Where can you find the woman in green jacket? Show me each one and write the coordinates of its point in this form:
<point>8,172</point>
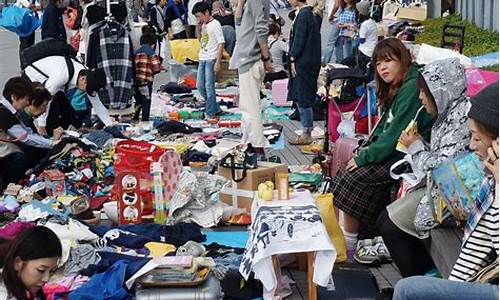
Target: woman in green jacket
<point>361,191</point>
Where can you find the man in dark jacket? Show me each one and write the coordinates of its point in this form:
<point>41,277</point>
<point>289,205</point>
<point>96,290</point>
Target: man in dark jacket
<point>52,21</point>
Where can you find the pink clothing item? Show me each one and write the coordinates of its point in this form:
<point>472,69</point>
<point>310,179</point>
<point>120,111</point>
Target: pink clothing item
<point>64,286</point>
<point>11,230</point>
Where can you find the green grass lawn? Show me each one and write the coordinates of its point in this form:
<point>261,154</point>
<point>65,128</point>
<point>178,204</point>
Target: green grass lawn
<point>478,41</point>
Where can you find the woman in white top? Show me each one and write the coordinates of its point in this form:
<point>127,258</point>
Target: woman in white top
<point>277,48</point>
<point>27,267</point>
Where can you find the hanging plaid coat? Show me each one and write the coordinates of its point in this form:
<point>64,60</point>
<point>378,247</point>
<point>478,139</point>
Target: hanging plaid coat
<point>110,48</point>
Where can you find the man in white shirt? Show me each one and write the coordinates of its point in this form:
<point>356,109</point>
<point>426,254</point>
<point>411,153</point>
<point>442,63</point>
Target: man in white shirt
<point>212,45</point>
<point>53,73</point>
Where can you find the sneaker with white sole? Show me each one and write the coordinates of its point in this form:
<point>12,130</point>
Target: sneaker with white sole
<point>383,252</point>
<point>366,253</point>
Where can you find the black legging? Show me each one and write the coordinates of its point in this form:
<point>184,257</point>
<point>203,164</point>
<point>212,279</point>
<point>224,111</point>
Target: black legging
<point>407,252</point>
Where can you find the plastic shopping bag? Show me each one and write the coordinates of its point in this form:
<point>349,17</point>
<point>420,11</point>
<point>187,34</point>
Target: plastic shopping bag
<point>325,206</point>
<point>185,49</point>
<point>20,20</point>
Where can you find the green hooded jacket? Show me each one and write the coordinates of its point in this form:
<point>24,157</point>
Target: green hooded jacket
<point>403,109</point>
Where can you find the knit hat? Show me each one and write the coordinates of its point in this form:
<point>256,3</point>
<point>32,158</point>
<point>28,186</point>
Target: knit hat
<point>363,8</point>
<point>484,106</point>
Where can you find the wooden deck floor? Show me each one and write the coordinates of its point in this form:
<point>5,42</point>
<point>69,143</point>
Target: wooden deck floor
<point>291,154</point>
<point>384,276</point>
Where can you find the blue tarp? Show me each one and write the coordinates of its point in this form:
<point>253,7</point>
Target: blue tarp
<point>489,59</point>
<point>22,21</point>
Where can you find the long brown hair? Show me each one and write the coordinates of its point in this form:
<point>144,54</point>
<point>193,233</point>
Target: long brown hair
<point>390,49</point>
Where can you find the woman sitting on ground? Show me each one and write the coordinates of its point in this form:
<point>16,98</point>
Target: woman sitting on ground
<point>480,247</point>
<point>277,48</point>
<point>26,265</point>
<point>442,87</point>
<point>20,147</point>
<point>361,191</point>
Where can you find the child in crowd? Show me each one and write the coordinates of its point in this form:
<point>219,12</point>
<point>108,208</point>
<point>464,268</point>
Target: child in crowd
<point>347,24</point>
<point>278,49</point>
<point>480,246</point>
<point>147,65</point>
<point>79,101</point>
<point>212,45</point>
<point>28,261</point>
<point>305,63</point>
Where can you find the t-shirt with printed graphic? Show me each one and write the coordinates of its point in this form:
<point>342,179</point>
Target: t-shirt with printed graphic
<point>211,37</point>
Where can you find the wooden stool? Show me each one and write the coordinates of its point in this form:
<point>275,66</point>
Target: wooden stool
<point>305,261</point>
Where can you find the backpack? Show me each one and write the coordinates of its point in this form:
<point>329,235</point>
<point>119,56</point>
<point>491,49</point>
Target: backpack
<point>46,48</point>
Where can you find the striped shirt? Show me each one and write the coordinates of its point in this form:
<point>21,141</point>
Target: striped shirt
<point>478,248</point>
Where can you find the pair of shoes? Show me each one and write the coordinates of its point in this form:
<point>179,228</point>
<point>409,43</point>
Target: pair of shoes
<point>372,252</point>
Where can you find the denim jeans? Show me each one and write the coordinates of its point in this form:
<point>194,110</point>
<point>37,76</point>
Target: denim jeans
<point>333,36</point>
<point>306,118</point>
<point>205,84</point>
<point>344,48</point>
<point>424,288</point>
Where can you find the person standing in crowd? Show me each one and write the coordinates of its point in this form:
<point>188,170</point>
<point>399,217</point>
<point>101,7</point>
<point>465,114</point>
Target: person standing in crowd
<point>278,49</point>
<point>368,38</point>
<point>52,21</point>
<point>221,14</point>
<point>20,147</point>
<point>347,24</point>
<point>34,5</point>
<point>147,65</point>
<point>212,46</point>
<point>191,20</point>
<point>147,8</point>
<point>305,63</point>
<point>442,87</point>
<point>28,262</point>
<point>318,8</point>
<point>176,20</point>
<point>253,60</point>
<point>479,250</point>
<point>333,34</point>
<point>157,20</point>
<point>361,191</point>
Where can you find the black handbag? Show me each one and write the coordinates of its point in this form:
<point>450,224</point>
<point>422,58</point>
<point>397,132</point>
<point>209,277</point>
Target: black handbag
<point>240,158</point>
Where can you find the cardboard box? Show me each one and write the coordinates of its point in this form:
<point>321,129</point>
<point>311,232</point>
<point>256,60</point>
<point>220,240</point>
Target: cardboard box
<point>418,13</point>
<point>245,189</point>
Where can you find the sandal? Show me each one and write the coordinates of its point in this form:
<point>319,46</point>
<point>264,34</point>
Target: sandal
<point>303,139</point>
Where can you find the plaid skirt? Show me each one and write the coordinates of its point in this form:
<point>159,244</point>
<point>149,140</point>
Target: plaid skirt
<point>364,192</point>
